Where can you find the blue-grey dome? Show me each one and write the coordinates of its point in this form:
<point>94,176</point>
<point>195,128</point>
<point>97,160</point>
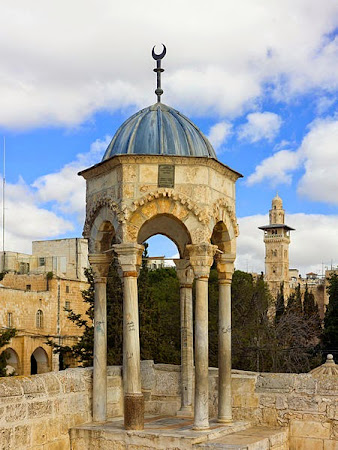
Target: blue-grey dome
<point>159,130</point>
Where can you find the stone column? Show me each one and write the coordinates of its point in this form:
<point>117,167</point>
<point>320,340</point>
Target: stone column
<point>130,259</point>
<point>201,259</point>
<point>100,266</point>
<point>225,268</point>
<point>186,276</point>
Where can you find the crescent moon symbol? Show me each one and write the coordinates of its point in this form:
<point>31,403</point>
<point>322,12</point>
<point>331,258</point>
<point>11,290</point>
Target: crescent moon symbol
<point>161,55</point>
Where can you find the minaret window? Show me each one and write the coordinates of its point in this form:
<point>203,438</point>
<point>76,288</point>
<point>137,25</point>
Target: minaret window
<point>39,319</point>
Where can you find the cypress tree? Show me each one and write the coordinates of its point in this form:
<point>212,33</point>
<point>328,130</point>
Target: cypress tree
<point>330,333</point>
<point>280,305</point>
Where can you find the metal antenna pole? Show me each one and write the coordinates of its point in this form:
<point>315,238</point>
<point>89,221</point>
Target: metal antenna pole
<point>3,207</point>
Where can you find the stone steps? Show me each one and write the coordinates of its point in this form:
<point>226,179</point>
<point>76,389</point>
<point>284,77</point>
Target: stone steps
<point>253,438</point>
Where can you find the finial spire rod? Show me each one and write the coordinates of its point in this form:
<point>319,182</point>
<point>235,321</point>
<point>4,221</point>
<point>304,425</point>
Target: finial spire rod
<point>159,70</point>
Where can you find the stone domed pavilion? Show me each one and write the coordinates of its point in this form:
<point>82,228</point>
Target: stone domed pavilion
<point>160,175</point>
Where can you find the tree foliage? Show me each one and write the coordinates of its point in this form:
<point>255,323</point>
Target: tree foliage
<point>330,334</point>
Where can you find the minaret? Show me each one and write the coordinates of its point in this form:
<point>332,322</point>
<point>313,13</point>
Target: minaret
<point>277,240</point>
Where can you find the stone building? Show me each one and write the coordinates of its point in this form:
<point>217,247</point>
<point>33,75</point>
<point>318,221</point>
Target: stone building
<point>33,294</point>
<point>277,241</point>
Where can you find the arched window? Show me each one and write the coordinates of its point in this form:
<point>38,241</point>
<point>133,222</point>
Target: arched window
<point>39,319</point>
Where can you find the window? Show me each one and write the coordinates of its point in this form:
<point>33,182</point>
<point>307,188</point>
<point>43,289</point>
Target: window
<point>39,319</point>
<point>42,261</point>
<point>9,319</point>
<point>67,289</point>
<point>28,287</point>
<point>67,305</point>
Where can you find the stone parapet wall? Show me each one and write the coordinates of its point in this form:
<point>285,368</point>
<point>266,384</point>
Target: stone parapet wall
<point>36,412</point>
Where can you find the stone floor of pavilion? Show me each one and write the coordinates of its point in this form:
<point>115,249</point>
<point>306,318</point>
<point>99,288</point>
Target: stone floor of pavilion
<point>177,433</point>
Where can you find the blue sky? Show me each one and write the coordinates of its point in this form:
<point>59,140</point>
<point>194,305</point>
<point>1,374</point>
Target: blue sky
<point>258,77</point>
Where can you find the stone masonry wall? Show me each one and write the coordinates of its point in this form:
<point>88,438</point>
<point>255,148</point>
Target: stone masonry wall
<point>36,412</point>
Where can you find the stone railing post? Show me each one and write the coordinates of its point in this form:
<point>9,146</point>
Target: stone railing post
<point>201,259</point>
<point>186,277</point>
<point>225,268</point>
<point>130,259</point>
<point>100,263</point>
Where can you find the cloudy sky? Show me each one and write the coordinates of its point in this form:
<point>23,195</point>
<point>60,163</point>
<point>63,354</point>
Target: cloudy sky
<point>259,77</point>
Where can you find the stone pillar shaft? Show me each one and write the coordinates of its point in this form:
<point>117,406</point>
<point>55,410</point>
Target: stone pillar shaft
<point>187,351</point>
<point>130,258</point>
<point>100,266</point>
<point>201,355</point>
<point>225,270</point>
<point>201,259</point>
<point>186,278</point>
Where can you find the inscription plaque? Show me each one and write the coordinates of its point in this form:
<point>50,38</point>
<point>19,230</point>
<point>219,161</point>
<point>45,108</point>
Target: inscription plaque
<point>166,175</point>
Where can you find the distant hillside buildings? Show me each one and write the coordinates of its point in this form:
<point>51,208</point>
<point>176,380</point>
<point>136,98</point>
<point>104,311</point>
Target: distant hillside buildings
<point>34,291</point>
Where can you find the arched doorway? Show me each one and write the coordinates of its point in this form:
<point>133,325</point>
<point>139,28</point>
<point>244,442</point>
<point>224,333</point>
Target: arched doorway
<point>39,361</point>
<point>13,364</point>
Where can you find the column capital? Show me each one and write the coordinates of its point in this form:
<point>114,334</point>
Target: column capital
<point>184,272</point>
<point>201,258</point>
<point>129,256</point>
<point>100,263</point>
<point>225,266</point>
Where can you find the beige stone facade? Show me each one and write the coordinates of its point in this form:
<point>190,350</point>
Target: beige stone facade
<point>34,304</point>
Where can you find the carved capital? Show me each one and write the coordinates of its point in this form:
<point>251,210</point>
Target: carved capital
<point>184,272</point>
<point>201,258</point>
<point>129,256</point>
<point>100,263</point>
<point>225,266</point>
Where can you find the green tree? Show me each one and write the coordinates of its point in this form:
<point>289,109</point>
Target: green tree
<point>280,305</point>
<point>5,336</point>
<point>295,301</point>
<point>330,333</point>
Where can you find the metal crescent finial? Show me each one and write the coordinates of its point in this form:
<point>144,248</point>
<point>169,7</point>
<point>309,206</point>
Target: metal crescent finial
<point>161,55</point>
<point>158,70</point>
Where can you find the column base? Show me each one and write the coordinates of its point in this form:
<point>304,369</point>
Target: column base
<point>134,412</point>
<point>185,411</point>
<point>201,427</point>
<point>224,420</point>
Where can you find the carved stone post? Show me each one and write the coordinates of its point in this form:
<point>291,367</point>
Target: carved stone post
<point>186,277</point>
<point>201,259</point>
<point>225,268</point>
<point>100,266</point>
<point>130,259</point>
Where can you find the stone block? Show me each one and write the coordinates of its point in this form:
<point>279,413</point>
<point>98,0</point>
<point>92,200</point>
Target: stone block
<point>270,417</point>
<point>60,444</point>
<point>275,382</point>
<point>267,400</point>
<point>39,409</point>
<point>52,383</point>
<point>297,443</point>
<point>305,383</point>
<point>33,387</point>
<point>21,436</point>
<point>330,444</point>
<point>148,174</point>
<point>327,385</point>
<point>149,209</point>
<point>164,205</point>
<point>301,403</point>
<point>5,437</point>
<point>179,211</point>
<point>281,402</point>
<point>308,429</point>
<point>16,412</point>
<point>10,387</point>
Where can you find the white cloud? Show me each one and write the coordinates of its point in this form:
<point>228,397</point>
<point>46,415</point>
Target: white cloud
<point>219,133</point>
<point>36,212</point>
<point>317,154</point>
<point>65,188</point>
<point>265,125</point>
<point>276,169</point>
<point>59,66</point>
<point>314,242</point>
<point>320,151</point>
<point>26,220</point>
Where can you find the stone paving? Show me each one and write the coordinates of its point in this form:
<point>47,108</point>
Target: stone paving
<point>176,433</point>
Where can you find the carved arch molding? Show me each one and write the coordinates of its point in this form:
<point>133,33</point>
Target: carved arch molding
<point>218,211</point>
